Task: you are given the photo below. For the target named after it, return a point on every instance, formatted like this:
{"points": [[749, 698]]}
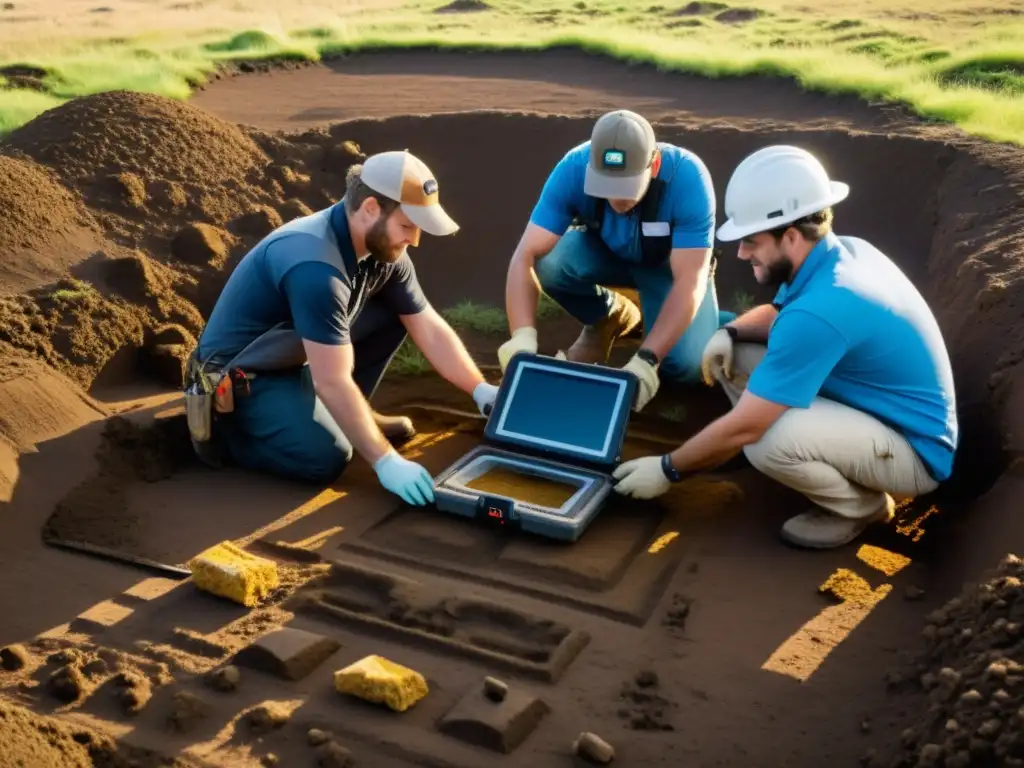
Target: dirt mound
{"points": [[96, 511], [971, 670], [463, 6], [44, 228], [130, 152], [31, 740], [36, 403]]}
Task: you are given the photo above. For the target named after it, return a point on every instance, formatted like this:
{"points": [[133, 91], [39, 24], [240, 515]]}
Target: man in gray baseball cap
{"points": [[622, 210]]}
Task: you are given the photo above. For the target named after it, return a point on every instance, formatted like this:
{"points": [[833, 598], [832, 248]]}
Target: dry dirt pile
{"points": [[972, 670], [44, 228], [125, 150], [123, 214]]}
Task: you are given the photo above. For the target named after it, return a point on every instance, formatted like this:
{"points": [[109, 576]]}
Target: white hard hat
{"points": [[774, 186]]}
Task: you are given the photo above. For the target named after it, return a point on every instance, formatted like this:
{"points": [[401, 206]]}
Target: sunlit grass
{"points": [[961, 63]]}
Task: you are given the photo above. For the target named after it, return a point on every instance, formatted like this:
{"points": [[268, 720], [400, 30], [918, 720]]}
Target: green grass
{"points": [[949, 62], [468, 315]]}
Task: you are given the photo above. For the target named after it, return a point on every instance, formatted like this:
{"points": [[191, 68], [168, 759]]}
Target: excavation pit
{"points": [[947, 208]]}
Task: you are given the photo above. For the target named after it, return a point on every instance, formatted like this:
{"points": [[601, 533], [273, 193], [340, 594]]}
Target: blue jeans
{"points": [[283, 428], [573, 275]]}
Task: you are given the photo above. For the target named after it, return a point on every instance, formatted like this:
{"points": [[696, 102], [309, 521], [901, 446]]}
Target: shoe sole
{"points": [[812, 544]]}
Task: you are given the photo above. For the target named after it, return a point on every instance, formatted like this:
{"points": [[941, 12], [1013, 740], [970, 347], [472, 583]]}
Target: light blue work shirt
{"points": [[687, 204], [854, 329]]}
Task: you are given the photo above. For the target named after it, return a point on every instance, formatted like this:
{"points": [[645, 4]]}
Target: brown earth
{"points": [[643, 632]]}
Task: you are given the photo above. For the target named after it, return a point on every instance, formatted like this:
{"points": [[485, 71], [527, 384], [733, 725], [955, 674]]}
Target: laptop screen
{"points": [[569, 411]]}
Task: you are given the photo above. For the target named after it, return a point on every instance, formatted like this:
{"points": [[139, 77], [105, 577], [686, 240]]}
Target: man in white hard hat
{"points": [[842, 387], [622, 210], [337, 290]]}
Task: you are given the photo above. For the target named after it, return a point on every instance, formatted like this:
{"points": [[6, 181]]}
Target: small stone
{"points": [[970, 697], [1001, 696], [908, 736], [495, 689], [268, 717], [865, 725], [930, 753], [870, 758], [999, 624], [14, 657], [913, 593], [967, 634], [316, 737], [989, 729], [332, 755], [962, 759], [590, 746], [996, 670], [952, 726], [646, 678], [949, 677], [928, 681], [225, 679], [270, 759]]}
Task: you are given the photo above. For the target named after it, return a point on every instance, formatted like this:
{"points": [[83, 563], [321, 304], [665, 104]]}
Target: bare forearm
{"points": [[675, 317], [714, 445], [445, 351], [346, 404], [755, 324], [521, 292]]}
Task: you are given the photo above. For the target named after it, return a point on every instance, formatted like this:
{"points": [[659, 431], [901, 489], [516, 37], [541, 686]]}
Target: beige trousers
{"points": [[840, 458]]}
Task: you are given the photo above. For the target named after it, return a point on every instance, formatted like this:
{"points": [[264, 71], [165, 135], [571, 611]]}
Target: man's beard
{"points": [[377, 243], [779, 272]]}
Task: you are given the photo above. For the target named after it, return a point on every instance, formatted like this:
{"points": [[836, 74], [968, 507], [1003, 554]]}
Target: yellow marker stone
{"points": [[228, 571], [377, 680]]}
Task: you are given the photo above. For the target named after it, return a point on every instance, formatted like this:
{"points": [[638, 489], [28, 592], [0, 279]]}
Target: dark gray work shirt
{"points": [[278, 281]]}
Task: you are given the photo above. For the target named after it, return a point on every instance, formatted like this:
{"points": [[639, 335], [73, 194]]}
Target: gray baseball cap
{"points": [[622, 149]]}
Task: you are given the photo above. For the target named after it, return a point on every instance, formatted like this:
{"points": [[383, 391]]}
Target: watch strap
{"points": [[670, 472], [648, 357]]}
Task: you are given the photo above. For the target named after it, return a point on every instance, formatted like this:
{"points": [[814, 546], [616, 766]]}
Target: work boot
{"points": [[821, 529], [397, 429], [594, 344]]}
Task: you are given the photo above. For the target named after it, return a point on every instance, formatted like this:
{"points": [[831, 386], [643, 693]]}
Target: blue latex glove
{"points": [[405, 478]]}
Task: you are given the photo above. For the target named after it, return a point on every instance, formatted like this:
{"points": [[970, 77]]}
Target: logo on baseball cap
{"points": [[403, 177], [622, 150]]}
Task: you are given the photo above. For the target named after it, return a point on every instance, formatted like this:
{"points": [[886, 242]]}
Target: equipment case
{"points": [[555, 419]]}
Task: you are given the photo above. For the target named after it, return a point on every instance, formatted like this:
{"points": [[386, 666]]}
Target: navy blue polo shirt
{"points": [[272, 284]]}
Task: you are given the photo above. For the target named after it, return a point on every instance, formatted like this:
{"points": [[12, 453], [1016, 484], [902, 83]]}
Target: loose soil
{"points": [[532, 489], [124, 214]]}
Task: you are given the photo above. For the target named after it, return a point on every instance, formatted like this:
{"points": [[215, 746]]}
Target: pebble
{"points": [[225, 679], [316, 737], [14, 657], [590, 746], [646, 678], [970, 697], [989, 728], [949, 676], [914, 592], [270, 759], [333, 755], [996, 670], [952, 726], [495, 689], [930, 753]]}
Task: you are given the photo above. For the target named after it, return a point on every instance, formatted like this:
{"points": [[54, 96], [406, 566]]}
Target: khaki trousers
{"points": [[842, 459]]}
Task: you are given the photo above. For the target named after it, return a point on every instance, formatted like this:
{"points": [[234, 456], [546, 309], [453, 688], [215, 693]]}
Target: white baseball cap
{"points": [[405, 178]]}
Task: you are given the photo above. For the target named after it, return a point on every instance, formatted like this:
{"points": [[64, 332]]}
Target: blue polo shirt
{"points": [[687, 205], [854, 329], [272, 284]]}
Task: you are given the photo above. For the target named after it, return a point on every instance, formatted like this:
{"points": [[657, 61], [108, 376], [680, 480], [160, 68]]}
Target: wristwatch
{"points": [[731, 330], [648, 357], [670, 472]]}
